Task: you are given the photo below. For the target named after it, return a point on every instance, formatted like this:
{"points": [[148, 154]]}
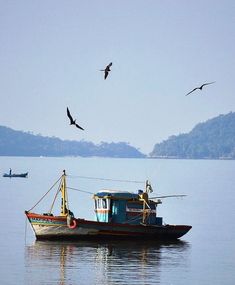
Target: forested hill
{"points": [[212, 139], [18, 143]]}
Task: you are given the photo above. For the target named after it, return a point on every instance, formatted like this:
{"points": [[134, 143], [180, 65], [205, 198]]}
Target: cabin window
{"points": [[102, 204]]}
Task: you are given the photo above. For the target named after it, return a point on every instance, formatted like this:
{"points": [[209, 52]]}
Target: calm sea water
{"points": [[206, 255]]}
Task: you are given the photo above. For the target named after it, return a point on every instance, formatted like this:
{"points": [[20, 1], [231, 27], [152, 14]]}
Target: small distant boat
{"points": [[23, 175], [118, 214]]}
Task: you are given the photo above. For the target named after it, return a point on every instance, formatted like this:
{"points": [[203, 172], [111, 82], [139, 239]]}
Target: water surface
{"points": [[206, 255]]}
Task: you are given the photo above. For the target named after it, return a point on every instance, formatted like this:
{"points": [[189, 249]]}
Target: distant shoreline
{"points": [[192, 158], [147, 157]]}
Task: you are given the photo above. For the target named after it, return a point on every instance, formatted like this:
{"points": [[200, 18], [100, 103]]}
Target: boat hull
{"points": [[52, 228], [22, 175]]}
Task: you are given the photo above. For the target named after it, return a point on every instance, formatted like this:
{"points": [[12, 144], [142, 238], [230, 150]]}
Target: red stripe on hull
{"points": [[106, 230]]}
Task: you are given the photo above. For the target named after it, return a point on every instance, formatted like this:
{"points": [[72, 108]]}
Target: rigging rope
{"points": [[80, 190], [106, 179], [45, 194], [136, 218], [58, 191]]}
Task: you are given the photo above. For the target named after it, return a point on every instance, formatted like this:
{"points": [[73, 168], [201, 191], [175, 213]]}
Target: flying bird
{"points": [[72, 121], [106, 70], [199, 87]]}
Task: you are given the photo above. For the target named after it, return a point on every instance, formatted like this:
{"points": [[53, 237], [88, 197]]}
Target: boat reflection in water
{"points": [[123, 262]]}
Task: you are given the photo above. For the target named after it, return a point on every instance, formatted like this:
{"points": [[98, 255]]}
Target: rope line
{"points": [[80, 190], [45, 194], [58, 191], [135, 218], [106, 179], [168, 196]]}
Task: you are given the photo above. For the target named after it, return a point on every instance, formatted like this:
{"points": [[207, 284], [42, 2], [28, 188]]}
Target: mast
{"points": [[64, 209], [144, 197]]}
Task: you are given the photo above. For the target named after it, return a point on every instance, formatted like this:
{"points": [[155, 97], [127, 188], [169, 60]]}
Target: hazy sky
{"points": [[51, 53]]}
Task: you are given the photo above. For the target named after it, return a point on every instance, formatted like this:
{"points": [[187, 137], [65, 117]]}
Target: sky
{"points": [[51, 53]]}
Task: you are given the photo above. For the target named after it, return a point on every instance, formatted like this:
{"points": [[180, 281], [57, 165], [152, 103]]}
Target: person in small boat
{"points": [[10, 172]]}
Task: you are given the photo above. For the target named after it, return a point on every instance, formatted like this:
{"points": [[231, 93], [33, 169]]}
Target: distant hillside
{"points": [[18, 143], [212, 139]]}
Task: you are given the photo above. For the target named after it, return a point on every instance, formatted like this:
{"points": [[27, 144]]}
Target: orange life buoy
{"points": [[73, 224]]}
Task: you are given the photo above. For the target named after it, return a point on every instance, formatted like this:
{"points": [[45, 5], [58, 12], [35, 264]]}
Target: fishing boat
{"points": [[22, 175], [118, 214]]}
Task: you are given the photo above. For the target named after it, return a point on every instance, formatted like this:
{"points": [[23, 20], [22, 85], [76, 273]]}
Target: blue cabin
{"points": [[125, 207]]}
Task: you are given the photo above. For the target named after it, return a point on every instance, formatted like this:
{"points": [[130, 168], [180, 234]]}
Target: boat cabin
{"points": [[125, 207]]}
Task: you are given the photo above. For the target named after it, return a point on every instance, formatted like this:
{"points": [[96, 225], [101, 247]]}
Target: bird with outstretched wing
{"points": [[107, 70], [72, 121], [199, 87]]}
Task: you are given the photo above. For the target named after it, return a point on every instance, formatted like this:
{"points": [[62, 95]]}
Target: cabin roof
{"points": [[116, 194]]}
